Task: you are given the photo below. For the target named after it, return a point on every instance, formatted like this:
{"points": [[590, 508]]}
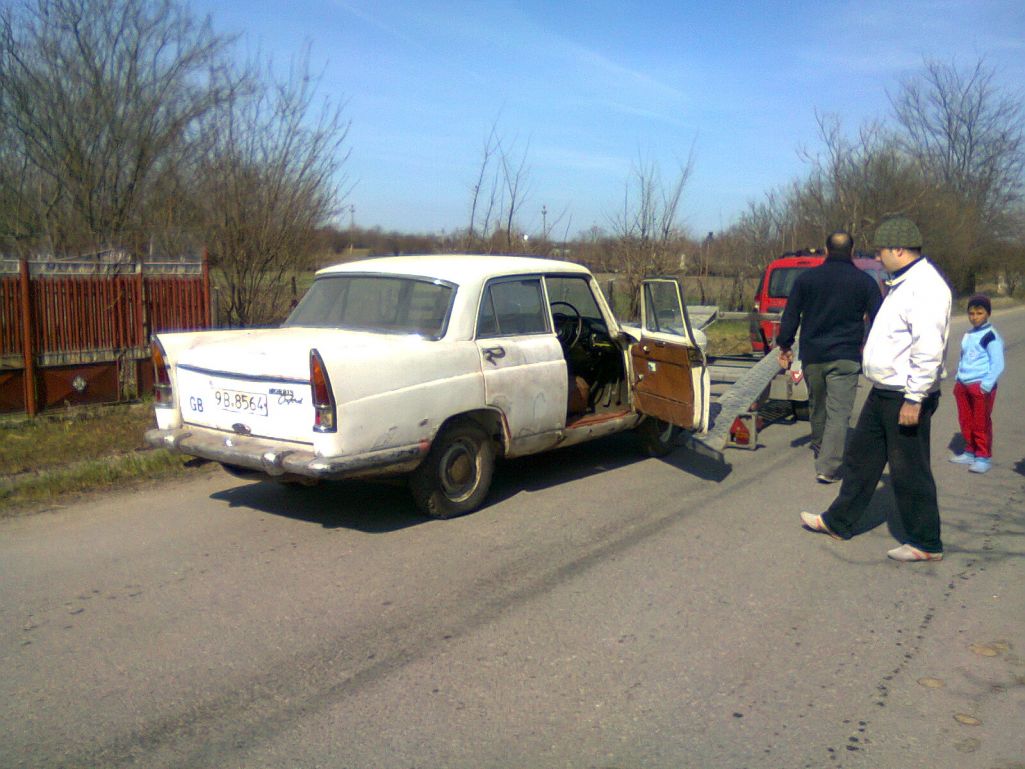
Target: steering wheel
{"points": [[568, 328]]}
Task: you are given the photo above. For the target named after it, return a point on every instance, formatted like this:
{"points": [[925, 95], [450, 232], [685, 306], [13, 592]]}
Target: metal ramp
{"points": [[745, 385]]}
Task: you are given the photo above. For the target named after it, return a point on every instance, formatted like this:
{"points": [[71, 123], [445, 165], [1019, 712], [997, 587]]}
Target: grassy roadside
{"points": [[729, 337], [46, 460]]}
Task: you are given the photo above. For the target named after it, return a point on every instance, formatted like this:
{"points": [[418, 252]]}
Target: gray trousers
{"points": [[832, 387]]}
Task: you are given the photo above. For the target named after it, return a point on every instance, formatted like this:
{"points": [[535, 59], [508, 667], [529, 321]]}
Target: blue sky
{"points": [[589, 89]]}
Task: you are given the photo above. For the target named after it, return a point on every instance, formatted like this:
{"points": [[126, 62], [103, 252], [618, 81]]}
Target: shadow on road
{"points": [[384, 506], [538, 472], [956, 443], [374, 508], [882, 508]]}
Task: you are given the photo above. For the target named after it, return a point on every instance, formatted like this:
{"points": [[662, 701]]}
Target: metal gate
{"points": [[77, 332]]}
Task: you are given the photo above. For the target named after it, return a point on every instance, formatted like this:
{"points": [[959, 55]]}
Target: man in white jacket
{"points": [[903, 359]]}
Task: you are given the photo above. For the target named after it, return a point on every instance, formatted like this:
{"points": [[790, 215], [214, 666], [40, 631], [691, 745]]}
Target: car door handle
{"points": [[491, 354]]}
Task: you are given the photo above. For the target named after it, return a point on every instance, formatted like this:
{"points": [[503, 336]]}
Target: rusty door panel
{"points": [[663, 386]]}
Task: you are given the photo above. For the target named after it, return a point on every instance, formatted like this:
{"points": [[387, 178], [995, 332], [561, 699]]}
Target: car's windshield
{"points": [[577, 292], [385, 303]]}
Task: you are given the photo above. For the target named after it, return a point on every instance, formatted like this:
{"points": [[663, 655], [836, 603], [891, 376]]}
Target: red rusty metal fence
{"points": [[73, 333]]}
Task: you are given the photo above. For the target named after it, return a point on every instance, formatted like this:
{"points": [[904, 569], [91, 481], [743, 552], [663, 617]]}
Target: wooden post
{"points": [[206, 288], [31, 407], [140, 304]]}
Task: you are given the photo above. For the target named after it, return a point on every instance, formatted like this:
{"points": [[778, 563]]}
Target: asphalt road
{"points": [[602, 611]]}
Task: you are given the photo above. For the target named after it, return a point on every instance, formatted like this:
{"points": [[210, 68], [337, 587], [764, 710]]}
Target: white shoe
{"points": [[910, 553], [815, 523]]}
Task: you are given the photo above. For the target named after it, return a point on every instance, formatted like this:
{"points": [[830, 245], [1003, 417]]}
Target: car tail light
{"points": [[323, 397], [739, 432], [163, 396]]}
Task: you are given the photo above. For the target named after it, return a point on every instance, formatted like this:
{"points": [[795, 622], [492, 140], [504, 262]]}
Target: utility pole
{"points": [[352, 227]]}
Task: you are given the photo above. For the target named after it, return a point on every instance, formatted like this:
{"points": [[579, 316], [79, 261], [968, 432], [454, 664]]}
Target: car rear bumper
{"points": [[277, 459]]}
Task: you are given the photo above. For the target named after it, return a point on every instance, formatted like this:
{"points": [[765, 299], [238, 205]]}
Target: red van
{"points": [[776, 282]]}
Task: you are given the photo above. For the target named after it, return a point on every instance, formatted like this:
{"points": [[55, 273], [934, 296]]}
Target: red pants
{"points": [[975, 415]]}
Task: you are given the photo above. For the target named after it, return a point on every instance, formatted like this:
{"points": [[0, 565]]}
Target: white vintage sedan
{"points": [[432, 367]]}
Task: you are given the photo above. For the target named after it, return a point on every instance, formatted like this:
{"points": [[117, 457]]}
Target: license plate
{"points": [[241, 402]]}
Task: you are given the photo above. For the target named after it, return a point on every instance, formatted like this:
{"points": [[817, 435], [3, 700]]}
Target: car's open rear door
{"points": [[669, 377]]}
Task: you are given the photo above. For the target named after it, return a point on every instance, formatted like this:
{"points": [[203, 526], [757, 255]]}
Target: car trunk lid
{"points": [[256, 382]]}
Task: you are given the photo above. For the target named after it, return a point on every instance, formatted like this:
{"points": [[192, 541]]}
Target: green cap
{"points": [[897, 232]]}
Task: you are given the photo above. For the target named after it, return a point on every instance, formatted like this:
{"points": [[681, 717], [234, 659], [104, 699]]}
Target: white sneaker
{"points": [[910, 553], [966, 458], [815, 523]]}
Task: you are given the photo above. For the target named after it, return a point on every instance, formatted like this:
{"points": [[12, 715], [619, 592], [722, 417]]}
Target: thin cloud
{"points": [[375, 21], [626, 76]]}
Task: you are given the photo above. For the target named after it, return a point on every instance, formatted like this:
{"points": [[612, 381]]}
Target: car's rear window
{"points": [[384, 303], [781, 281]]}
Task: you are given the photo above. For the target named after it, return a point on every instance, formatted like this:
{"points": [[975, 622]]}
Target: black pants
{"points": [[879, 440]]}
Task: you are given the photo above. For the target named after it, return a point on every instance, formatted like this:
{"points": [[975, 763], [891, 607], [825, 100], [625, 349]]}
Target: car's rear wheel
{"points": [[455, 476], [657, 438]]}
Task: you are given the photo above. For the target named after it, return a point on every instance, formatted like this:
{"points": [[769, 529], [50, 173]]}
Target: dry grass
{"points": [[728, 337], [31, 445], [47, 458]]}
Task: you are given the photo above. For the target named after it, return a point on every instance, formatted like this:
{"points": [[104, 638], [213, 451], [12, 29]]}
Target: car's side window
{"points": [[512, 306], [663, 307]]}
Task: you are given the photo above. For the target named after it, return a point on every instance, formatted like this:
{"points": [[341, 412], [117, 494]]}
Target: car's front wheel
{"points": [[455, 476]]}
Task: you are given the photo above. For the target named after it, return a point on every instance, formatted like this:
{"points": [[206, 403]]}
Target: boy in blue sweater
{"points": [[982, 362]]}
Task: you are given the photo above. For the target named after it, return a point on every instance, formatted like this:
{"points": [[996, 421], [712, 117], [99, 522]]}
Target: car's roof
{"points": [[862, 262], [456, 268], [802, 260]]}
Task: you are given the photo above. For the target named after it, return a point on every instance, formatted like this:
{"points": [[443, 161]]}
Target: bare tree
{"points": [[97, 100], [853, 182], [499, 193], [484, 197], [969, 139], [965, 132], [1009, 257], [269, 179], [647, 235]]}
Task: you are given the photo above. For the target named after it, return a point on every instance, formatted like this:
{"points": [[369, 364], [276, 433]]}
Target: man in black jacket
{"points": [[830, 304]]}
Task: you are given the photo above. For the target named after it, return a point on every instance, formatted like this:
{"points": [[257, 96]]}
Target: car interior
{"points": [[594, 360]]}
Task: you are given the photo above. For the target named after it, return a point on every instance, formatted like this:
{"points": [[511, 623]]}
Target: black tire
{"points": [[802, 411], [455, 476], [656, 438]]}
